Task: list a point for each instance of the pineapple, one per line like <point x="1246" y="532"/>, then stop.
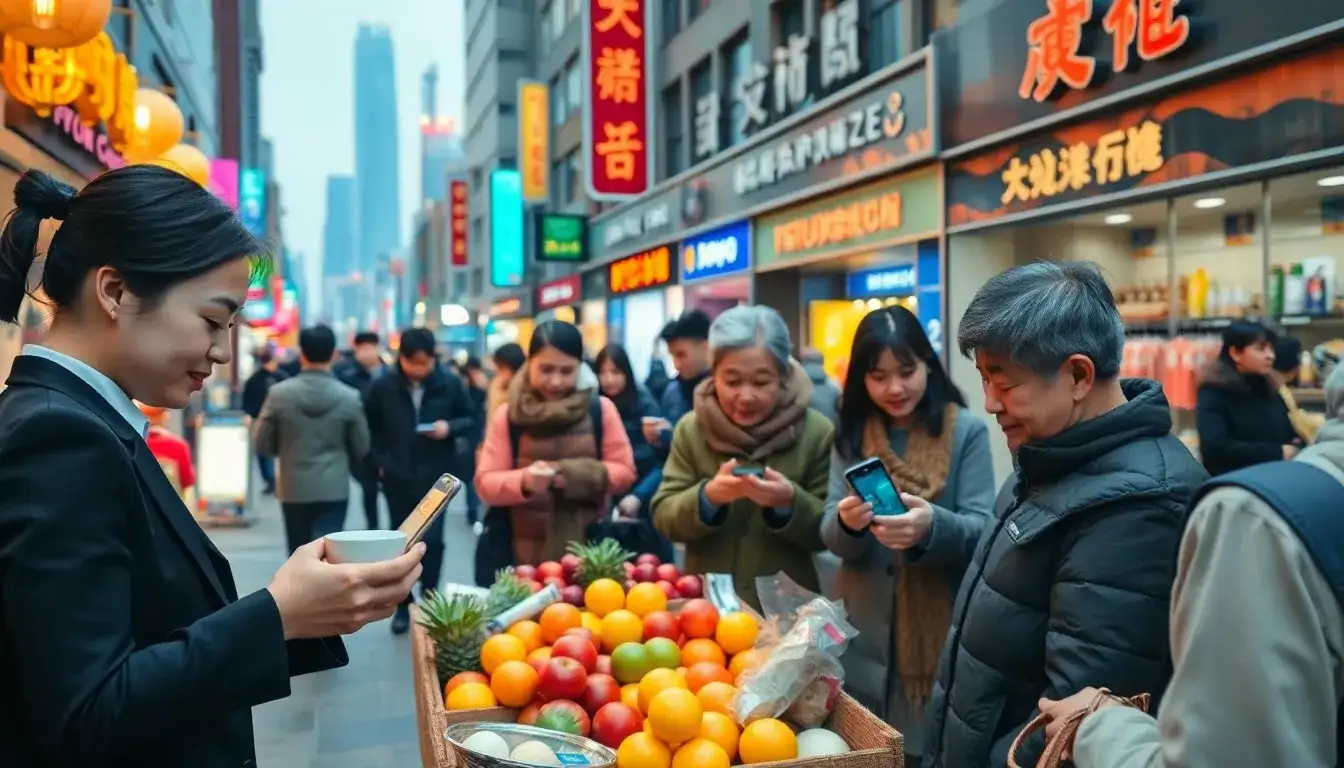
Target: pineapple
<point x="456" y="625"/>
<point x="507" y="591"/>
<point x="603" y="560"/>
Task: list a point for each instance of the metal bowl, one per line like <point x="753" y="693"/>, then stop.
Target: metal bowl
<point x="571" y="750"/>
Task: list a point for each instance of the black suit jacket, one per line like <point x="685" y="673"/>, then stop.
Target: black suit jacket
<point x="411" y="462"/>
<point x="122" y="638"/>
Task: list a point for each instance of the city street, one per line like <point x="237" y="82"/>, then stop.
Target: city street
<point x="362" y="716"/>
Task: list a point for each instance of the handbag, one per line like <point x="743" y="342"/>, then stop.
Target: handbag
<point x="1054" y="754"/>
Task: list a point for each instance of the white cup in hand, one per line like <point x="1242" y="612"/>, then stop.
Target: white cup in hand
<point x="317" y="598"/>
<point x="364" y="546"/>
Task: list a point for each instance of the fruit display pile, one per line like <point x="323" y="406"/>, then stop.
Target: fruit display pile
<point x="575" y="571"/>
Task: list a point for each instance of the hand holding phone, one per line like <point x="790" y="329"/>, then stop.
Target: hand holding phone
<point x="870" y="481"/>
<point x="431" y="506"/>
<point x="855" y="513"/>
<point x="725" y="487"/>
<point x="748" y="471"/>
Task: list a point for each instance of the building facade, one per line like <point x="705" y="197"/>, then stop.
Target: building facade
<point x="376" y="170"/>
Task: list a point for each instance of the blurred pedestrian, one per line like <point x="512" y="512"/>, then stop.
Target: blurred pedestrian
<point x="508" y="360"/>
<point x="687" y="339"/>
<point x="416" y="411"/>
<point x="266" y="375"/>
<point x="899" y="573"/>
<point x="745" y="483"/>
<point x="1257" y="629"/>
<point x="1241" y="418"/>
<point x="825" y="393"/>
<point x="657" y="380"/>
<point x="315" y="426"/>
<point x="1070" y="586"/>
<point x="477" y="383"/>
<point x="367" y="365"/>
<point x="543" y="457"/>
<point x="124" y="640"/>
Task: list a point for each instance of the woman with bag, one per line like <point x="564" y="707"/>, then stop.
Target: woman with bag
<point x="899" y="573"/>
<point x="555" y="453"/>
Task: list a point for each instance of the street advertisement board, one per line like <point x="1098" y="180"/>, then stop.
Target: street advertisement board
<point x="507" y="257"/>
<point x="617" y="129"/>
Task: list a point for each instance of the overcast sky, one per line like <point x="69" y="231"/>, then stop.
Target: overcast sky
<point x="307" y="102"/>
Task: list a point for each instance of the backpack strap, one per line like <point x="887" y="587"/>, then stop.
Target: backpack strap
<point x="595" y="414"/>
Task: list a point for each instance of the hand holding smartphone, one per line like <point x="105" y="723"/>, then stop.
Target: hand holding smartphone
<point x="748" y="471"/>
<point x="431" y="506"/>
<point x="870" y="481"/>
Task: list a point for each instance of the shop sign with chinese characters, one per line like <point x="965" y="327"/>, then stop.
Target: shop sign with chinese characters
<point x="1120" y="154"/>
<point x="617" y="130"/>
<point x="799" y="72"/>
<point x="559" y="293"/>
<point x="457" y="218"/>
<point x="649" y="269"/>
<point x="636" y="226"/>
<point x="534" y="127"/>
<point x="562" y="237"/>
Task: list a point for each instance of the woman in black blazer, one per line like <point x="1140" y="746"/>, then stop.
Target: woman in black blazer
<point x="123" y="641"/>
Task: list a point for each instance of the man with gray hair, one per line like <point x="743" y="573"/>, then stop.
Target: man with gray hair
<point x="1076" y="572"/>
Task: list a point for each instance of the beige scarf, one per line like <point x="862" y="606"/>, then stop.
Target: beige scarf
<point x="923" y="597"/>
<point x="777" y="432"/>
<point x="535" y="414"/>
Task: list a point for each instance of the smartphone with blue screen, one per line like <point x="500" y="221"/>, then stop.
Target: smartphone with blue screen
<point x="870" y="481"/>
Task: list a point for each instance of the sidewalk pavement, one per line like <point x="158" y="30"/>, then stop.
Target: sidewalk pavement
<point x="362" y="716"/>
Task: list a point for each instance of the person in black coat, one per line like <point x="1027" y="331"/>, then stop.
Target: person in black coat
<point x="365" y="365"/>
<point x="1070" y="585"/>
<point x="476" y="385"/>
<point x="123" y="639"/>
<point x="416" y="412"/>
<point x="255" y="389"/>
<point x="1241" y="417"/>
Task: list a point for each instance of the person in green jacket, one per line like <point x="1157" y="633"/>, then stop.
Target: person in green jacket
<point x="745" y="482"/>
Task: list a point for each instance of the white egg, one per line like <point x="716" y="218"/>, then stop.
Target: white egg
<point x="819" y="742"/>
<point x="534" y="753"/>
<point x="487" y="743"/>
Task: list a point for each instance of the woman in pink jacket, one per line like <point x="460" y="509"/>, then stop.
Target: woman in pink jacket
<point x="541" y="457"/>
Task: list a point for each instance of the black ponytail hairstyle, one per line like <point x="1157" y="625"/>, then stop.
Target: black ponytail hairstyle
<point x="156" y="227"/>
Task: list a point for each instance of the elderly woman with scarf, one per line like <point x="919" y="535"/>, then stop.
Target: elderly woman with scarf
<point x="744" y="483"/>
<point x="541" y="458"/>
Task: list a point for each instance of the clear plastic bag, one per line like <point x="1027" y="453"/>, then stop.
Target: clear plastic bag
<point x="804" y="636"/>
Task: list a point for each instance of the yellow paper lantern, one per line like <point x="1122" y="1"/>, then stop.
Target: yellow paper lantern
<point x="158" y="126"/>
<point x="54" y="23"/>
<point x="188" y="161"/>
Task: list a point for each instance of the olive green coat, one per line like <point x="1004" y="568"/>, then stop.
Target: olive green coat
<point x="744" y="544"/>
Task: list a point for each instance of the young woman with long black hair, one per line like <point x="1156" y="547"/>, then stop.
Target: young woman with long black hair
<point x="899" y="573"/>
<point x="1241" y="418"/>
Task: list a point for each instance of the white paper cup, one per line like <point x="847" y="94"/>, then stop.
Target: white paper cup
<point x="364" y="546"/>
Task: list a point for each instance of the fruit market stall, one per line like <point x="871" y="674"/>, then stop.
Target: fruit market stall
<point x="622" y="672"/>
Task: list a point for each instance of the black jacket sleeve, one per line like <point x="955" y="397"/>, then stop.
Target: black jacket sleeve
<point x="373" y="414"/>
<point x="88" y="692"/>
<point x="1213" y="421"/>
<point x="463" y="420"/>
<point x="1109" y="612"/>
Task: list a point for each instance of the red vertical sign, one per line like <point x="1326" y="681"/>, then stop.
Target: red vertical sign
<point x="457" y="221"/>
<point x="616" y="126"/>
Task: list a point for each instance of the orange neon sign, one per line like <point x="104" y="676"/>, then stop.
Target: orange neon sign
<point x="649" y="269"/>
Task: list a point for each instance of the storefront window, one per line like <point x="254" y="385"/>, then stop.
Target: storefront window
<point x="671" y="19"/>
<point x="557" y="18"/>
<point x="1219" y="254"/>
<point x="573" y="85"/>
<point x="674" y="160"/>
<point x="558" y="111"/>
<point x="888" y="38"/>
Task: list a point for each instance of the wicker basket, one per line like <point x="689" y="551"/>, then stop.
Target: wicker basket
<point x="875" y="744"/>
<point x="596" y="755"/>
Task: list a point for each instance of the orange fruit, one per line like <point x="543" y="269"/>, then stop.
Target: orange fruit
<point x="675" y="715"/>
<point x="702" y="650"/>
<point x="646" y="598"/>
<point x="471" y="696"/>
<point x="700" y="753"/>
<point x="720" y="729"/>
<point x="654" y="683"/>
<point x="604" y="596"/>
<point x="642" y="750"/>
<point x="717" y="697"/>
<point x="499" y="649"/>
<point x="621" y="626"/>
<point x="630" y="696"/>
<point x="514" y="683"/>
<point x="699" y="618"/>
<point x="529" y="632"/>
<point x="681" y="673"/>
<point x="463" y="677"/>
<point x="705" y="672"/>
<point x="767" y="740"/>
<point x="746" y="661"/>
<point x="557" y="619"/>
<point x="737" y="632"/>
<point x="540" y="656"/>
<point x="593" y="623"/>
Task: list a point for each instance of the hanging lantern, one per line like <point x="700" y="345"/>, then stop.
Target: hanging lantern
<point x="54" y="23"/>
<point x="158" y="126"/>
<point x="186" y="160"/>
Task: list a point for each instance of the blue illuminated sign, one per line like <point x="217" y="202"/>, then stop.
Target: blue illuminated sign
<point x="506" y="228"/>
<point x="886" y="281"/>
<point x="722" y="251"/>
<point x="252" y="200"/>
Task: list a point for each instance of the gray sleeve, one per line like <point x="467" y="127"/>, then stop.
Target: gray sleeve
<point x="956" y="527"/>
<point x="1255" y="632"/>
<point x="265" y="429"/>
<point x="838" y="539"/>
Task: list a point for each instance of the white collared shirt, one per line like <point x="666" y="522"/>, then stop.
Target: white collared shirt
<point x="105" y="387"/>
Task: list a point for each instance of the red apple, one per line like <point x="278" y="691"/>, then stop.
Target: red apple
<point x="562" y="678"/>
<point x="534" y="585"/>
<point x="525" y="572"/>
<point x="690" y="586"/>
<point x="529" y="714"/>
<point x="629" y="568"/>
<point x="669" y="590"/>
<point x="668" y="572"/>
<point x="651" y="559"/>
<point x="555" y="580"/>
<point x="614" y="722"/>
<point x="584" y="632"/>
<point x="602" y="690"/>
<point x="603" y="666"/>
<point x="585" y="723"/>
<point x="577" y="647"/>
<point x="570" y="565"/>
<point x="550" y="570"/>
<point x="572" y="594"/>
<point x="645" y="572"/>
<point x="661" y="624"/>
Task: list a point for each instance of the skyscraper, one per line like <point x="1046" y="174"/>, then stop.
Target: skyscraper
<point x="340" y="231"/>
<point x="379" y="211"/>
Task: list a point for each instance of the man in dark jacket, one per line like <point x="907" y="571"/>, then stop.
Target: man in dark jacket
<point x="254" y="397"/>
<point x="416" y="411"/>
<point x="359" y="373"/>
<point x="476" y="385"/>
<point x="687" y="339"/>
<point x="1070" y="587"/>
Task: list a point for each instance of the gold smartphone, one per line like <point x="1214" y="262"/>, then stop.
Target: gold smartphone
<point x="430" y="507"/>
